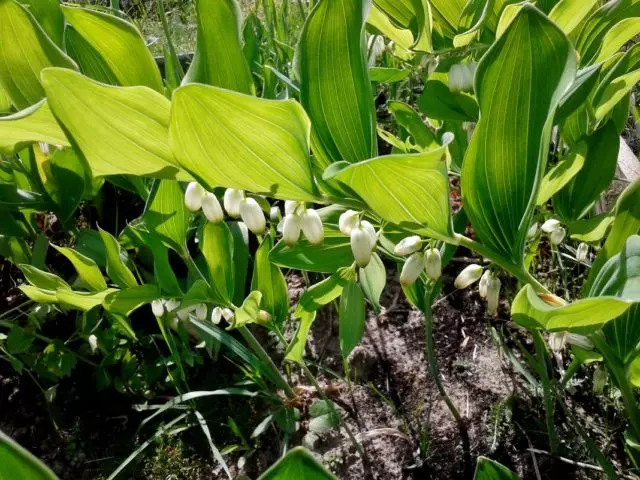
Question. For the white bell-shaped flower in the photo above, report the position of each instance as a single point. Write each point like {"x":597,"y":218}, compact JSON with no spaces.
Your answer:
{"x":216,"y":315}
{"x":201,"y":312}
{"x":291,"y":229}
{"x":557,"y":236}
{"x":407,"y":246}
{"x":550,"y":225}
{"x":157,"y":307}
{"x":171,"y":304}
{"x":582,"y":252}
{"x":533,"y":230}
{"x":456,"y":78}
{"x":212,"y":209}
{"x":367,"y":227}
{"x":193,"y":196}
{"x":252,"y":215}
{"x":482,"y":286}
{"x":468,"y":276}
{"x":312,"y":226}
{"x":93,"y":343}
{"x":290,"y":207}
{"x":232,"y":200}
{"x":493,"y":294}
{"x":433,"y":264}
{"x":579,"y":341}
{"x":412,"y":268}
{"x":361,"y":246}
{"x":227,"y":314}
{"x":557,"y":340}
{"x":348,"y":221}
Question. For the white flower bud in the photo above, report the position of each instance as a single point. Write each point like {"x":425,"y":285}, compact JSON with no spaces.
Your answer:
{"x":599,"y":379}
{"x":201,"y":312}
{"x":579,"y":341}
{"x":408,"y":245}
{"x":433,"y":264}
{"x":533,"y":230}
{"x":157,"y":307}
{"x":290,"y":207}
{"x":557,"y":236}
{"x":550,"y":225}
{"x":367,"y":227}
{"x":227,"y":314}
{"x":193,"y":196}
{"x":456,"y":78}
{"x":291,"y":229}
{"x":557,"y":340}
{"x":171,"y":304}
{"x":469,"y":275}
{"x":312,"y":226}
{"x":412,"y":269}
{"x":482,"y":286}
{"x":212,"y":208}
{"x":361,"y":246}
{"x":493,"y":294}
{"x":232,"y":199}
{"x":252,"y":215}
{"x":93,"y":343}
{"x":582,"y":252}
{"x":216,"y":315}
{"x":348,"y":221}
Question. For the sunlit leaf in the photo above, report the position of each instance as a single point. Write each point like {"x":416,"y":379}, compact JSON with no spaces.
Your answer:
{"x":34,"y":124}
{"x":562,"y":173}
{"x":380,"y":24}
{"x":373,"y":279}
{"x":217,"y":248}
{"x":295,"y":353}
{"x":269,"y":280}
{"x":297,"y":463}
{"x":569,"y":14}
{"x":117,"y":271}
{"x":49,"y":15}
{"x":126,"y":301}
{"x":440,"y":103}
{"x":166,"y":214}
{"x":87,"y":269}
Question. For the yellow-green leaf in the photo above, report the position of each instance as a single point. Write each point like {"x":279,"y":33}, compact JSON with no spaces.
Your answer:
{"x":269,"y":280}
{"x":615,"y":38}
{"x":297,"y":463}
{"x":166,"y":214}
{"x":49,"y":15}
{"x":87,"y":269}
{"x":381,"y":25}
{"x":562,"y":173}
{"x":569,"y":14}
{"x":116,"y":268}
{"x":217,"y":248}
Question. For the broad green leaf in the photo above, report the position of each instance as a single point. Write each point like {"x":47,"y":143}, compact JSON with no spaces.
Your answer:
{"x":269,"y":280}
{"x":595,"y":176}
{"x":240,"y":234}
{"x":249,"y":311}
{"x":509,"y":14}
{"x":39,"y":295}
{"x":126,"y":301}
{"x":166,"y":215}
{"x":66,"y":181}
{"x":472,"y":19}
{"x":324,"y":292}
{"x":16,"y":462}
{"x":620,"y":275}
{"x":295,"y":353}
{"x":562,"y":173}
{"x":590,"y":230}
{"x":219,"y":59}
{"x":117,"y":271}
{"x":440,"y":103}
{"x":89,"y":60}
{"x":335,"y":89}
{"x":531,"y":311}
{"x":380,"y":24}
{"x":569,"y":14}
{"x":133,"y":123}
{"x":49,"y":15}
{"x":333,"y":254}
{"x":88,"y":272}
{"x":584,"y":83}
{"x":634,"y":372}
{"x":615,"y":38}
{"x":391,"y":184}
{"x":408,"y":118}
{"x":504,"y":163}
{"x":626,"y":223}
{"x":25,"y":49}
{"x":89,"y":243}
{"x":43,"y":280}
{"x":82,"y":300}
{"x":414,"y":15}
{"x":119,"y":43}
{"x":217,"y":247}
{"x":604,"y":19}
{"x":446,"y":14}
{"x":297,"y":463}
{"x":31,"y":125}
{"x":614,"y":93}
{"x":487,"y":469}
{"x":388,"y":75}
{"x":352,"y":316}
{"x":259,"y":145}
{"x":373,"y":279}
{"x":623,"y":334}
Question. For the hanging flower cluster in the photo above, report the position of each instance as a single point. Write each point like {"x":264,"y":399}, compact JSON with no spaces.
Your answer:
{"x":428,"y":261}
{"x":362,"y":235}
{"x":489,"y":286}
{"x":297,"y":220}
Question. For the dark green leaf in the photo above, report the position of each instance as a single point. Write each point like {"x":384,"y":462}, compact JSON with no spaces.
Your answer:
{"x":269,"y":280}
{"x":298,"y":463}
{"x":352,"y":317}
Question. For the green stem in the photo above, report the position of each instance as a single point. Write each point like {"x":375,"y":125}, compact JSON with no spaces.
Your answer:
{"x":167,"y":34}
{"x":432,"y":363}
{"x":548,"y":395}
{"x":115,"y":4}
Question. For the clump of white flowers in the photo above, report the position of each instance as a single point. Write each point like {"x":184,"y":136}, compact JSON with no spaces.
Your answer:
{"x":362,"y":235}
{"x":301,"y":220}
{"x":376,"y":48}
{"x":554,"y":229}
{"x":217,"y":314}
{"x":197,"y":198}
{"x":461,"y":77}
{"x":489,"y":286}
{"x":428,"y":261}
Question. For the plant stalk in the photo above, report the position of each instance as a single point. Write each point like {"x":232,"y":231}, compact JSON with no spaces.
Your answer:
{"x":548,"y":395}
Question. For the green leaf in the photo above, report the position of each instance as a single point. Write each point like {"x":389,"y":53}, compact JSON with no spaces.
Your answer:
{"x":89,"y":243}
{"x":295,"y":353}
{"x":373,"y":279}
{"x":625,"y":224}
{"x":584,"y":83}
{"x":619,"y":35}
{"x":166,"y":215}
{"x":25,"y":49}
{"x":88,"y":272}
{"x":531,"y":311}
{"x":606,"y":17}
{"x":66,"y":181}
{"x":352,"y":316}
{"x":49,"y":15}
{"x":219,"y":59}
{"x":19,"y":340}
{"x":440,"y":103}
{"x":606,"y":100}
{"x":240,"y":234}
{"x":38,"y":295}
{"x":297,"y":463}
{"x":472,"y":19}
{"x":590,"y":230}
{"x":569,"y":14}
{"x":391,"y":184}
{"x":595,"y":176}
{"x":42,"y":279}
{"x":249,"y":311}
{"x":16,"y":462}
{"x":324,"y":292}
{"x":31,"y":125}
{"x":133,"y":123}
{"x":379,"y":23}
{"x":620,"y":275}
{"x":89,"y":60}
{"x":562,"y":173}
{"x":388,"y":75}
{"x":117,"y":271}
{"x":446,"y":14}
{"x":126,"y":301}
{"x":623,"y":334}
{"x":408,"y":118}
{"x":334,"y":82}
{"x":487,"y":469}
{"x":414,"y":15}
{"x":82,"y":300}
{"x":217,"y":248}
{"x":119,"y":43}
{"x":269,"y":280}
{"x":505,"y":160}
{"x":259,"y":145}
